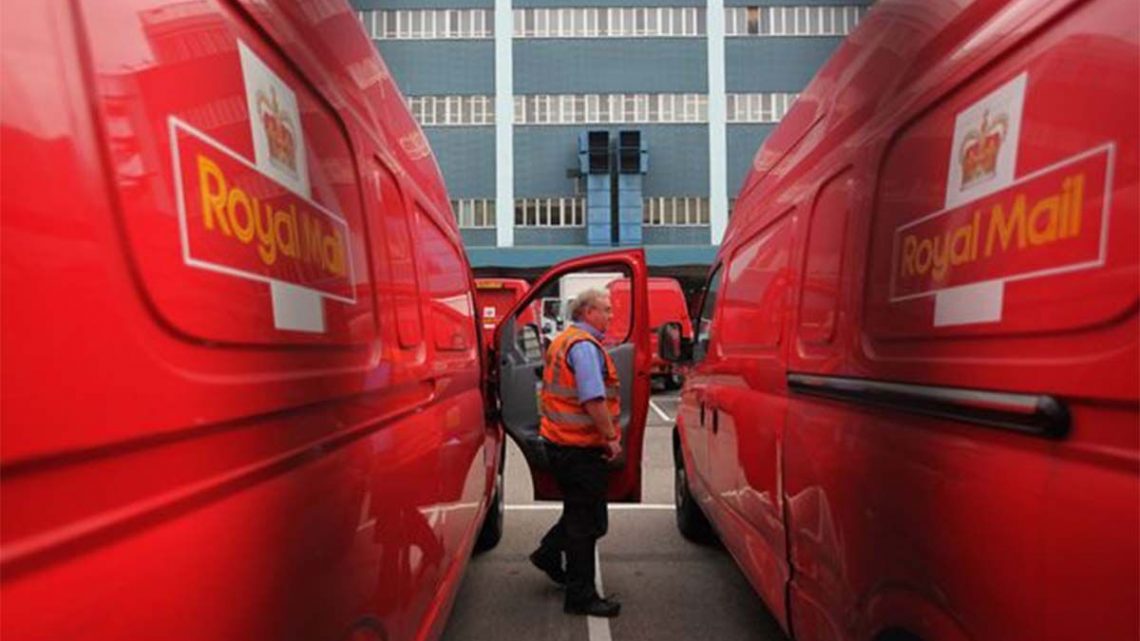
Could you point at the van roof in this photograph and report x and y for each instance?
(882, 60)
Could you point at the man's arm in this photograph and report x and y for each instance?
(601, 415)
(587, 363)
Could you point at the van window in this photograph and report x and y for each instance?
(824, 261)
(756, 289)
(705, 321)
(444, 280)
(400, 288)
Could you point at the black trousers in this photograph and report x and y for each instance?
(582, 476)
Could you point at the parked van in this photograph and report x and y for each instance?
(494, 296)
(666, 304)
(911, 409)
(242, 395)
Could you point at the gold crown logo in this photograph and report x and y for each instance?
(279, 131)
(980, 148)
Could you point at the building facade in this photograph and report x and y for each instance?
(504, 90)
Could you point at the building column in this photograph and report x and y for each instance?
(504, 125)
(718, 131)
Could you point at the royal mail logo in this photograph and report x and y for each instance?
(279, 130)
(237, 220)
(980, 148)
(415, 145)
(983, 150)
(275, 123)
(1051, 221)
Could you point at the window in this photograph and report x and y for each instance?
(756, 291)
(427, 24)
(443, 279)
(610, 22)
(823, 263)
(758, 107)
(793, 21)
(540, 23)
(542, 109)
(452, 110)
(690, 24)
(398, 274)
(550, 212)
(705, 319)
(578, 20)
(683, 211)
(474, 213)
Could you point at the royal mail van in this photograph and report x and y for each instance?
(666, 305)
(242, 390)
(911, 411)
(494, 296)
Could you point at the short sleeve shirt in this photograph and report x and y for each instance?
(589, 366)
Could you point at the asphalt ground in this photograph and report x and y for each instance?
(670, 589)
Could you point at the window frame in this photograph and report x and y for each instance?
(714, 283)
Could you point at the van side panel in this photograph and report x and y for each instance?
(745, 402)
(999, 253)
(228, 470)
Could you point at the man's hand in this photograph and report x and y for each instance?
(613, 450)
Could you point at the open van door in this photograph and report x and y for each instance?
(518, 359)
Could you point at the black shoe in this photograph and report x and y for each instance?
(598, 607)
(550, 563)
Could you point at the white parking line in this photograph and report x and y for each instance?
(598, 627)
(659, 411)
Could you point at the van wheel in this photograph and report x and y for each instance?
(492, 530)
(691, 521)
(673, 381)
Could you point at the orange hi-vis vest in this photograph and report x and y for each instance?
(564, 419)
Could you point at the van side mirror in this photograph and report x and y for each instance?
(672, 346)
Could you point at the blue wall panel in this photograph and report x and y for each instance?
(478, 237)
(434, 67)
(550, 236)
(678, 159)
(676, 235)
(774, 64)
(611, 65)
(542, 156)
(743, 141)
(466, 156)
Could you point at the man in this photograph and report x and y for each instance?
(580, 408)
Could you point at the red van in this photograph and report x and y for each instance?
(666, 304)
(242, 393)
(494, 296)
(911, 410)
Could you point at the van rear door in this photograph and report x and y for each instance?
(517, 357)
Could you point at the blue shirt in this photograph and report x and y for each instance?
(589, 366)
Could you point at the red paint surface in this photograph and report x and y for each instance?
(851, 520)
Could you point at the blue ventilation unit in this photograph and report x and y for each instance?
(632, 164)
(595, 166)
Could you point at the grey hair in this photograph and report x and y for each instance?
(584, 301)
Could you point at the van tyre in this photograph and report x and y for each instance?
(492, 530)
(691, 521)
(673, 381)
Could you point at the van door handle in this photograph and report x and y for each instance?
(715, 420)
